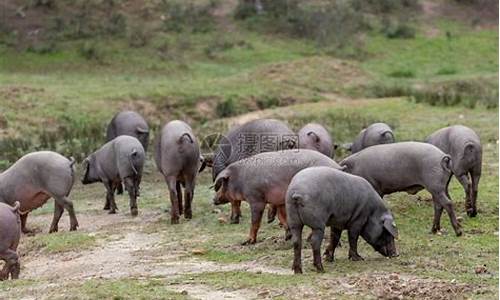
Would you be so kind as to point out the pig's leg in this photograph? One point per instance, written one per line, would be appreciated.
(438, 210)
(179, 196)
(316, 239)
(464, 181)
(235, 212)
(297, 248)
(271, 213)
(334, 242)
(132, 194)
(174, 211)
(110, 197)
(119, 188)
(24, 218)
(353, 236)
(448, 206)
(475, 176)
(188, 198)
(257, 210)
(11, 264)
(68, 205)
(282, 217)
(58, 211)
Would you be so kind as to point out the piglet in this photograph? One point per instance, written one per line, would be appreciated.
(10, 233)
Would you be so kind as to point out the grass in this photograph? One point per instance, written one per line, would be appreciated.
(61, 242)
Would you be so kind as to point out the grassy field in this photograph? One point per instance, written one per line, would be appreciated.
(61, 99)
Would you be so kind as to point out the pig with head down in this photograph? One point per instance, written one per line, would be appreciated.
(464, 147)
(34, 179)
(120, 160)
(407, 167)
(320, 196)
(375, 134)
(263, 179)
(10, 233)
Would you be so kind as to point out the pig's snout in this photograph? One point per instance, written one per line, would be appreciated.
(218, 200)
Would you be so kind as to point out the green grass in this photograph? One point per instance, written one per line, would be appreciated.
(61, 242)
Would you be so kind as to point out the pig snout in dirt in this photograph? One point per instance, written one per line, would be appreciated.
(34, 179)
(319, 197)
(408, 167)
(263, 179)
(464, 147)
(120, 160)
(10, 233)
(375, 134)
(178, 159)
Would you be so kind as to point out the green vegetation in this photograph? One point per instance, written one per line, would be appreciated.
(61, 242)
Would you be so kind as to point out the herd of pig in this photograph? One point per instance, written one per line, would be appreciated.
(261, 162)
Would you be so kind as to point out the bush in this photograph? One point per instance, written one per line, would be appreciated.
(180, 16)
(45, 47)
(399, 31)
(90, 51)
(226, 108)
(138, 37)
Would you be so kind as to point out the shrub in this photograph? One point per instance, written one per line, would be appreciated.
(138, 37)
(226, 108)
(90, 51)
(399, 31)
(180, 16)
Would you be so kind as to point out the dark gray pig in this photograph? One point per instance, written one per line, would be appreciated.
(177, 156)
(34, 179)
(129, 123)
(315, 137)
(320, 197)
(375, 134)
(263, 179)
(10, 233)
(409, 167)
(464, 147)
(257, 136)
(120, 160)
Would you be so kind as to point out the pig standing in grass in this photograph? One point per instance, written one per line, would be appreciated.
(322, 196)
(10, 233)
(409, 167)
(34, 179)
(177, 157)
(375, 134)
(464, 147)
(257, 136)
(120, 160)
(128, 123)
(263, 179)
(315, 137)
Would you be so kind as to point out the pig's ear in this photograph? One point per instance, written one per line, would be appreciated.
(390, 226)
(220, 180)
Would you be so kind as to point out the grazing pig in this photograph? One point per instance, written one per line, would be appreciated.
(320, 197)
(177, 157)
(464, 147)
(257, 136)
(34, 179)
(129, 123)
(264, 178)
(120, 160)
(409, 167)
(10, 233)
(375, 134)
(315, 137)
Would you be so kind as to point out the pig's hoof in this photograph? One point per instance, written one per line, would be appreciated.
(471, 213)
(134, 212)
(297, 270)
(53, 229)
(28, 231)
(319, 268)
(174, 221)
(248, 242)
(288, 236)
(112, 212)
(356, 257)
(73, 228)
(188, 215)
(328, 256)
(458, 232)
(235, 221)
(106, 207)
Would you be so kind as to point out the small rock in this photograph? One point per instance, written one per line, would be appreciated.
(184, 292)
(199, 251)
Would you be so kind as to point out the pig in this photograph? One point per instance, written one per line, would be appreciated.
(264, 178)
(409, 167)
(315, 137)
(464, 147)
(128, 123)
(34, 179)
(177, 157)
(10, 233)
(120, 160)
(375, 134)
(257, 136)
(322, 196)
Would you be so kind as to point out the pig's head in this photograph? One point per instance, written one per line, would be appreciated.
(90, 167)
(380, 232)
(225, 189)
